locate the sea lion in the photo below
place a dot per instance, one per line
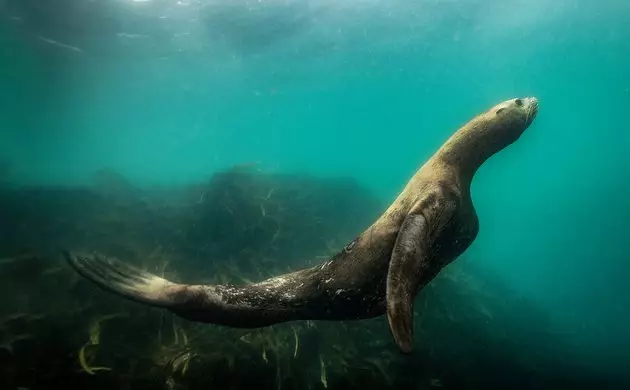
(429, 225)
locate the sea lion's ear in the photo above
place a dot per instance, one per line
(406, 267)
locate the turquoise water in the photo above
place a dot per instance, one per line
(169, 92)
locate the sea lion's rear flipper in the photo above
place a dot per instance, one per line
(265, 303)
(409, 265)
(125, 280)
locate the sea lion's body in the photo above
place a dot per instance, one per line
(429, 225)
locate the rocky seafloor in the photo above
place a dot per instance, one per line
(59, 330)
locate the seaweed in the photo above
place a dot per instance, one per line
(57, 329)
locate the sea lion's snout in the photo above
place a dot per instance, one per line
(527, 102)
(530, 105)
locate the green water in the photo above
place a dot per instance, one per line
(167, 93)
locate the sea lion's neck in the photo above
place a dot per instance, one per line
(467, 149)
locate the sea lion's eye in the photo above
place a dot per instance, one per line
(518, 102)
(499, 110)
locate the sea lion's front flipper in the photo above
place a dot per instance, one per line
(406, 265)
(125, 280)
(409, 265)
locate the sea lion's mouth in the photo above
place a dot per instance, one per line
(532, 109)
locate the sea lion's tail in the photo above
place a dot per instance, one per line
(125, 280)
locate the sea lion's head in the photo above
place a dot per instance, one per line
(488, 133)
(509, 119)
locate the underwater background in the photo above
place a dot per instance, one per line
(228, 141)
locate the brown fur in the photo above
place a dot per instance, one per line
(378, 272)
